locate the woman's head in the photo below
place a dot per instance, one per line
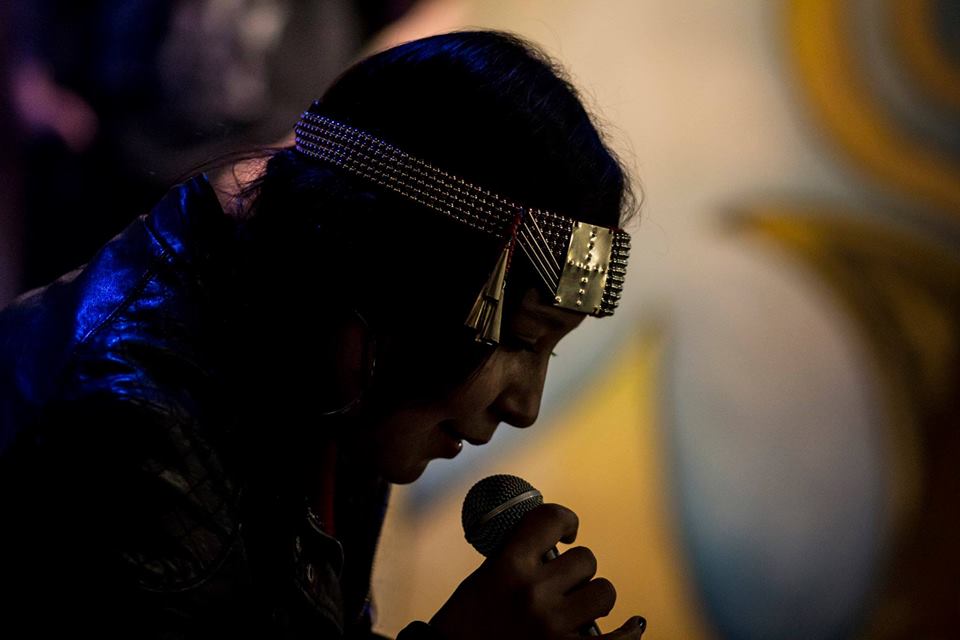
(484, 106)
(488, 107)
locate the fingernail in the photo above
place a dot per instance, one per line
(640, 622)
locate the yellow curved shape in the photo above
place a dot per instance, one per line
(914, 28)
(828, 73)
(900, 289)
(903, 290)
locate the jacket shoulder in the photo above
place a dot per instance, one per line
(127, 280)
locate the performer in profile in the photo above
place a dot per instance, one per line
(200, 426)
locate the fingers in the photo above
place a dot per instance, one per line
(573, 568)
(556, 597)
(587, 603)
(632, 629)
(584, 600)
(540, 530)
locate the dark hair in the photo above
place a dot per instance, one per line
(484, 105)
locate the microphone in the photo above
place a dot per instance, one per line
(492, 509)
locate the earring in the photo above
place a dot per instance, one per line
(368, 362)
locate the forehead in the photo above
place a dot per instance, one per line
(533, 309)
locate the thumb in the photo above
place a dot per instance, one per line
(632, 629)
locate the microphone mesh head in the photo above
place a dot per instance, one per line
(484, 497)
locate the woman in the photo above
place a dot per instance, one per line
(200, 426)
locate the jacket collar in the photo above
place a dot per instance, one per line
(190, 222)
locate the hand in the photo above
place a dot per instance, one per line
(516, 594)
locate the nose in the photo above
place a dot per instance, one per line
(519, 403)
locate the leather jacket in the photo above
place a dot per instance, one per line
(127, 510)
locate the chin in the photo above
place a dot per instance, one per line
(402, 472)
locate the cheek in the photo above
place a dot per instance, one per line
(482, 390)
(401, 430)
(407, 433)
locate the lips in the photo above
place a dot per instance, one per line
(449, 429)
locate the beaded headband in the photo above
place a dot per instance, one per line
(582, 264)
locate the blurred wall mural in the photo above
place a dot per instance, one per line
(887, 97)
(766, 445)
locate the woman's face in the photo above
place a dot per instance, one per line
(507, 389)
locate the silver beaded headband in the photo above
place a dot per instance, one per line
(582, 264)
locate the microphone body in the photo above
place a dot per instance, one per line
(491, 511)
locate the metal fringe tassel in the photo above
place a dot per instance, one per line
(487, 311)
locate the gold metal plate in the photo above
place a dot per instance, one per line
(585, 270)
